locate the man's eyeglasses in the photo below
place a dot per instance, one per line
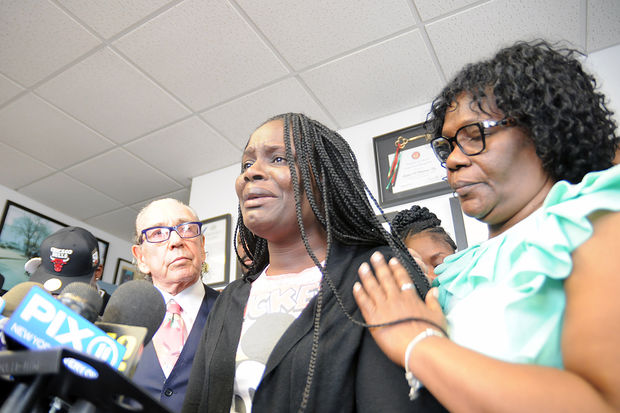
(471, 139)
(162, 233)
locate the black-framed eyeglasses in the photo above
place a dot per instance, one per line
(471, 139)
(162, 233)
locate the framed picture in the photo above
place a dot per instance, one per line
(448, 210)
(126, 271)
(416, 173)
(217, 249)
(21, 232)
(103, 250)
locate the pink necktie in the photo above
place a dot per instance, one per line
(170, 337)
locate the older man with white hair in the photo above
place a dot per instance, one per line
(170, 248)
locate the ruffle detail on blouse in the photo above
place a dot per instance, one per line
(538, 247)
(505, 297)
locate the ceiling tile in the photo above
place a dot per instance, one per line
(112, 97)
(396, 74)
(239, 118)
(111, 16)
(37, 39)
(106, 117)
(181, 195)
(73, 198)
(8, 89)
(429, 9)
(18, 169)
(37, 128)
(203, 52)
(603, 24)
(119, 223)
(308, 32)
(122, 176)
(185, 150)
(478, 32)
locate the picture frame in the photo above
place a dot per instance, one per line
(103, 250)
(21, 232)
(216, 231)
(126, 271)
(419, 174)
(457, 229)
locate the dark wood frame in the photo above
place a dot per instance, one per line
(18, 277)
(222, 249)
(384, 146)
(457, 221)
(10, 204)
(122, 264)
(104, 255)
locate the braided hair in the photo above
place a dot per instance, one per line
(416, 219)
(336, 192)
(329, 177)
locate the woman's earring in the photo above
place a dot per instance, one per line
(205, 268)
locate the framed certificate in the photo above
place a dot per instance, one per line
(217, 249)
(410, 173)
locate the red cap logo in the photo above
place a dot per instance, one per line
(59, 257)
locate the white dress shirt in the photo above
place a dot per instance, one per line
(190, 300)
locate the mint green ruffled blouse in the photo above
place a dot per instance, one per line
(505, 296)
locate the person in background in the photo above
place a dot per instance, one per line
(242, 257)
(421, 231)
(68, 255)
(170, 250)
(287, 337)
(528, 143)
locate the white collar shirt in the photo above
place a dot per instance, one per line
(190, 300)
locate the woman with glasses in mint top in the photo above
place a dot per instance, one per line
(532, 313)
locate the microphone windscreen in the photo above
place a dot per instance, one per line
(136, 303)
(15, 296)
(82, 298)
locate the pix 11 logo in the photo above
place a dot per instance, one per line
(41, 322)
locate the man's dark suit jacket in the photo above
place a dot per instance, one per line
(149, 375)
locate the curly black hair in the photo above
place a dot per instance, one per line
(416, 219)
(547, 92)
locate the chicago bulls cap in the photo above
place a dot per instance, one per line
(68, 255)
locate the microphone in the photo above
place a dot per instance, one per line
(132, 316)
(82, 298)
(11, 300)
(136, 303)
(85, 382)
(41, 322)
(15, 295)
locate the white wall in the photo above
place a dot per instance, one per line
(213, 194)
(117, 248)
(605, 66)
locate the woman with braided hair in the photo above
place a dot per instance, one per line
(288, 336)
(533, 312)
(421, 231)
